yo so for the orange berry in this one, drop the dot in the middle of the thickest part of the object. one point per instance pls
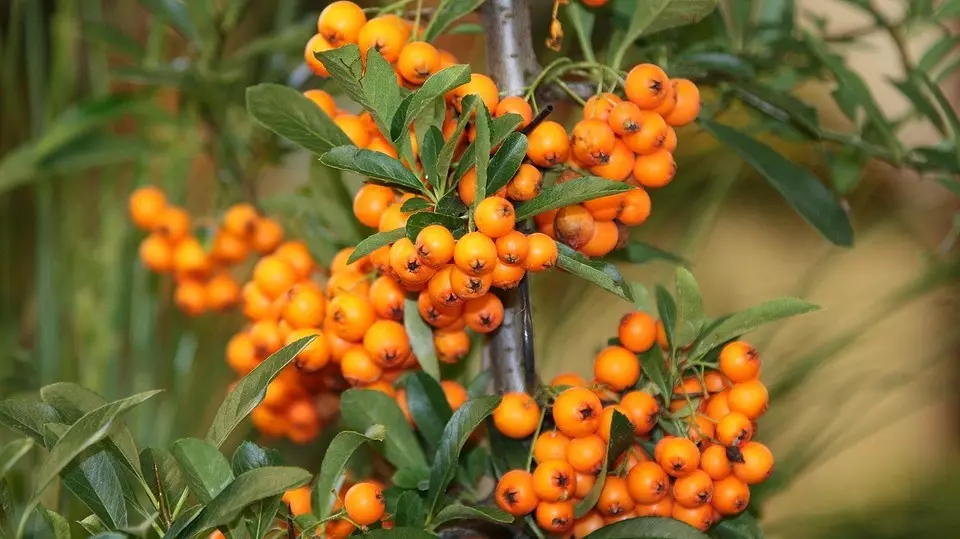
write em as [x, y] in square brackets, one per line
[467, 187]
[387, 297]
[700, 428]
[670, 142]
[576, 412]
[642, 409]
[669, 102]
[648, 483]
[316, 355]
[750, 398]
[467, 286]
[379, 144]
[339, 262]
[447, 59]
[646, 85]
[483, 314]
[475, 253]
[438, 316]
[298, 256]
[298, 500]
[417, 61]
[554, 481]
[650, 134]
[354, 128]
[305, 307]
[347, 282]
[605, 237]
[240, 220]
[316, 44]
[551, 445]
[739, 361]
[585, 484]
[592, 141]
[757, 463]
[625, 118]
[506, 276]
[542, 252]
[387, 343]
[364, 503]
[512, 247]
[636, 207]
[514, 493]
[515, 105]
[693, 490]
[440, 288]
[730, 496]
[586, 453]
[401, 398]
[479, 85]
[663, 508]
[392, 218]
[606, 420]
[147, 205]
[494, 217]
[718, 406]
[451, 346]
[406, 263]
[605, 208]
[349, 316]
[617, 368]
[568, 379]
[548, 144]
[266, 336]
[173, 224]
[526, 184]
[435, 245]
[222, 292]
[619, 164]
[455, 393]
[574, 225]
[655, 170]
[156, 253]
[189, 258]
[734, 429]
[228, 248]
[688, 103]
[715, 462]
[340, 22]
[714, 382]
[615, 497]
[273, 275]
[587, 524]
[256, 304]
[678, 456]
[517, 415]
[700, 518]
[385, 33]
[242, 354]
[637, 331]
[600, 106]
[358, 367]
[370, 202]
[555, 517]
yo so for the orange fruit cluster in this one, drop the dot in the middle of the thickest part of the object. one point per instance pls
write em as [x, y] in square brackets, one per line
[363, 503]
[698, 477]
[624, 140]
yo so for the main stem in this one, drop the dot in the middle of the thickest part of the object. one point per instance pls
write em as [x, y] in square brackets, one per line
[508, 351]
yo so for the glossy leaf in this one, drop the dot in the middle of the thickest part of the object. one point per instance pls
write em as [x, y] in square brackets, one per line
[572, 192]
[500, 128]
[250, 456]
[205, 470]
[798, 186]
[374, 242]
[909, 88]
[448, 12]
[647, 528]
[421, 339]
[667, 310]
[289, 114]
[602, 274]
[952, 120]
[399, 533]
[13, 452]
[28, 416]
[742, 526]
[621, 436]
[462, 512]
[376, 165]
[162, 474]
[379, 84]
[652, 364]
[419, 221]
[506, 162]
[415, 204]
[361, 409]
[468, 105]
[458, 430]
[747, 320]
[410, 511]
[690, 313]
[638, 252]
[429, 154]
[428, 406]
[481, 150]
[780, 106]
[335, 460]
[248, 393]
[436, 86]
[653, 16]
[346, 70]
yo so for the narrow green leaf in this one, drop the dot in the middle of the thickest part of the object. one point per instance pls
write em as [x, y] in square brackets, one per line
[419, 221]
[346, 71]
[462, 512]
[468, 106]
[458, 430]
[162, 474]
[428, 406]
[478, 386]
[500, 127]
[93, 525]
[59, 526]
[572, 192]
[953, 121]
[602, 274]
[376, 165]
[798, 186]
[429, 154]
[361, 409]
[690, 313]
[846, 166]
[747, 320]
[908, 87]
[114, 38]
[410, 511]
[436, 86]
[415, 204]
[399, 533]
[652, 364]
[506, 162]
[289, 114]
[379, 83]
[335, 459]
[481, 150]
[205, 470]
[28, 416]
[621, 436]
[780, 106]
[653, 16]
[376, 241]
[448, 12]
[421, 339]
[583, 19]
[938, 52]
[667, 310]
[250, 390]
[647, 528]
[742, 526]
[638, 252]
[13, 452]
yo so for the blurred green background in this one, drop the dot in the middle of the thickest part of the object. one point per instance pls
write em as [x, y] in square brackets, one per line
[99, 96]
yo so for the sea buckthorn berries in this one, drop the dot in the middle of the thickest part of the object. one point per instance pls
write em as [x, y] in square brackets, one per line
[606, 236]
[548, 144]
[173, 224]
[273, 275]
[494, 217]
[340, 22]
[418, 60]
[750, 398]
[515, 105]
[517, 415]
[730, 496]
[189, 258]
[700, 518]
[636, 207]
[451, 346]
[670, 142]
[298, 500]
[587, 524]
[555, 517]
[222, 292]
[693, 490]
[586, 453]
[349, 316]
[379, 144]
[467, 286]
[585, 482]
[592, 141]
[506, 276]
[353, 127]
[600, 106]
[663, 508]
[514, 493]
[619, 164]
[718, 406]
[669, 102]
[715, 462]
[646, 86]
[370, 202]
[228, 248]
[437, 316]
[483, 314]
[242, 354]
[358, 367]
[387, 34]
[481, 86]
[637, 331]
[441, 290]
[757, 463]
[678, 456]
[190, 297]
[146, 206]
[315, 355]
[617, 368]
[654, 170]
[467, 187]
[606, 420]
[156, 253]
[625, 118]
[687, 107]
[605, 208]
[512, 247]
[475, 253]
[739, 361]
[568, 379]
[407, 264]
[241, 220]
[317, 44]
[526, 184]
[364, 503]
[554, 481]
[455, 393]
[648, 483]
[435, 245]
[387, 343]
[574, 225]
[305, 307]
[734, 429]
[298, 256]
[550, 445]
[392, 218]
[650, 134]
[576, 412]
[615, 497]
[541, 252]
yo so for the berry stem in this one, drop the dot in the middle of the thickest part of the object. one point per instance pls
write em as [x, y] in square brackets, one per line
[536, 434]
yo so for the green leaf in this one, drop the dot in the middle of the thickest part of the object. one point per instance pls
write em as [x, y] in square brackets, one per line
[653, 16]
[572, 192]
[379, 83]
[419, 221]
[361, 409]
[410, 511]
[376, 241]
[28, 416]
[638, 252]
[429, 154]
[376, 165]
[478, 386]
[250, 456]
[59, 526]
[173, 14]
[908, 87]
[162, 474]
[436, 86]
[13, 452]
[690, 313]
[399, 533]
[798, 186]
[93, 525]
[742, 526]
[747, 320]
[335, 460]
[467, 106]
[428, 406]
[205, 470]
[346, 70]
[647, 528]
[499, 129]
[953, 122]
[481, 150]
[421, 339]
[462, 512]
[415, 204]
[411, 479]
[448, 12]
[112, 37]
[652, 364]
[506, 162]
[937, 53]
[458, 430]
[246, 489]
[583, 20]
[846, 166]
[289, 114]
[621, 437]
[602, 274]
[780, 106]
[250, 390]
[667, 310]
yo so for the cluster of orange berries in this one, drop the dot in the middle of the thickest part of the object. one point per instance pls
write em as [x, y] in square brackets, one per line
[698, 477]
[202, 277]
[629, 140]
[362, 503]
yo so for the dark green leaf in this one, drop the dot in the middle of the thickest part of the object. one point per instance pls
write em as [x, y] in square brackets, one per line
[346, 70]
[447, 13]
[481, 150]
[379, 83]
[250, 390]
[478, 386]
[468, 105]
[362, 409]
[847, 166]
[113, 38]
[376, 165]
[467, 28]
[653, 16]
[399, 533]
[428, 406]
[583, 19]
[289, 114]
[28, 416]
[335, 460]
[436, 86]
[908, 87]
[690, 314]
[376, 241]
[421, 338]
[798, 186]
[464, 421]
[953, 121]
[602, 274]
[747, 320]
[572, 192]
[162, 474]
[250, 456]
[174, 14]
[638, 252]
[937, 52]
[429, 154]
[718, 62]
[205, 470]
[506, 162]
[419, 221]
[742, 526]
[621, 437]
[780, 106]
[59, 526]
[410, 511]
[462, 512]
[500, 127]
[13, 452]
[415, 204]
[647, 528]
[667, 310]
[451, 204]
[652, 364]
[412, 479]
